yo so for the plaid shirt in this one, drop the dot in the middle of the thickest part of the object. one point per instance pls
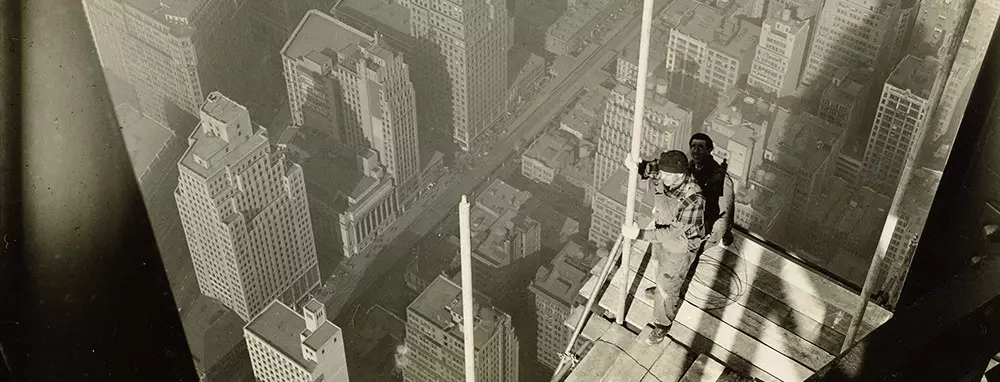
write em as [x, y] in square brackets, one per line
[690, 216]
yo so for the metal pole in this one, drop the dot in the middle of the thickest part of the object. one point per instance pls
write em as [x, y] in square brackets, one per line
[467, 315]
[637, 118]
[567, 356]
[883, 245]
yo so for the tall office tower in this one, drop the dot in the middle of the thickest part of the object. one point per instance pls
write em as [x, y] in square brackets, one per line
[710, 49]
[289, 347]
[844, 103]
[778, 62]
[939, 28]
[982, 21]
[807, 147]
[107, 26]
[245, 213]
[903, 114]
[435, 340]
[469, 39]
[172, 50]
[352, 86]
[665, 126]
[857, 34]
[556, 287]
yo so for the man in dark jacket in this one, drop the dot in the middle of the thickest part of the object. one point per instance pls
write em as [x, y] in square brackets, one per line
[717, 187]
[676, 238]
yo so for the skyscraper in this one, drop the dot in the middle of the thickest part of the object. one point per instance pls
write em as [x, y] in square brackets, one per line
[285, 346]
[904, 112]
[245, 213]
[356, 89]
[665, 126]
[469, 40]
[857, 34]
[780, 53]
[435, 340]
[172, 50]
[107, 27]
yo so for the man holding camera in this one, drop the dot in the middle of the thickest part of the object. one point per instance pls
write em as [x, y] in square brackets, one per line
[677, 236]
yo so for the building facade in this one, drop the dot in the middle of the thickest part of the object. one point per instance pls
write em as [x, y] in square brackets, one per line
[665, 126]
[245, 213]
[555, 288]
[877, 43]
[901, 122]
[434, 338]
[356, 88]
[286, 346]
[780, 54]
[469, 41]
[169, 51]
[372, 206]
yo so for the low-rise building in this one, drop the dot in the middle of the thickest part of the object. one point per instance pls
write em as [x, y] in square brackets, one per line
[555, 288]
[286, 346]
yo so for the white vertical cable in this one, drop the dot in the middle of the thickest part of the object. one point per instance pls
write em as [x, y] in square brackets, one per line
[467, 314]
[637, 118]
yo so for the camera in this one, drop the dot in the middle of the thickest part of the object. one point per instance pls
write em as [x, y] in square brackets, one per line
[649, 169]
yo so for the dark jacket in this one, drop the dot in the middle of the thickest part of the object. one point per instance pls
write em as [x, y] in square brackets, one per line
[717, 188]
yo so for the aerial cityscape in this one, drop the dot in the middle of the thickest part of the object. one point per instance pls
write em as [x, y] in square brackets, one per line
[302, 163]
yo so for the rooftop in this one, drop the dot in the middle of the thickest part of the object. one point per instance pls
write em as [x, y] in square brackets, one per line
[804, 141]
[751, 109]
[143, 136]
[443, 297]
[281, 327]
[563, 278]
[339, 169]
[722, 29]
[391, 14]
[674, 114]
[673, 14]
[848, 87]
[576, 17]
[659, 36]
[493, 218]
[770, 188]
[216, 151]
[318, 32]
[164, 9]
[222, 108]
[558, 149]
[794, 24]
[916, 75]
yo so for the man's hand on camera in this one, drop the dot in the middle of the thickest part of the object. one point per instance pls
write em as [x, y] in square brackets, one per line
[630, 231]
[632, 162]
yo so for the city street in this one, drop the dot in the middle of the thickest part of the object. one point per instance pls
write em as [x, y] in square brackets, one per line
[425, 215]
